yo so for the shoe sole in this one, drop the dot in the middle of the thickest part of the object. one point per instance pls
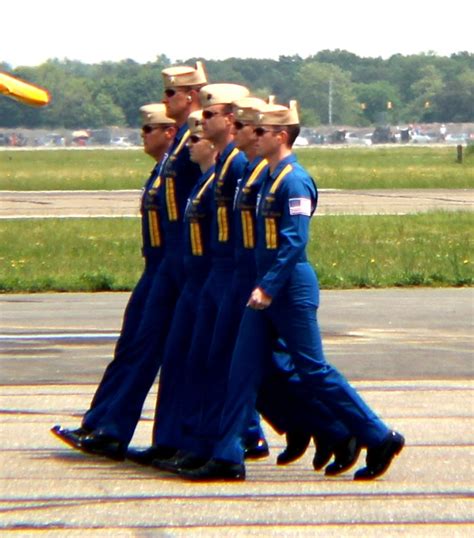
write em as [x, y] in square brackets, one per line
[98, 452]
[256, 456]
[346, 467]
[319, 466]
[397, 449]
[239, 478]
[64, 439]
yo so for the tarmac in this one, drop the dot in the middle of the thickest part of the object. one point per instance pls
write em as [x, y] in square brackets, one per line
[125, 203]
[408, 351]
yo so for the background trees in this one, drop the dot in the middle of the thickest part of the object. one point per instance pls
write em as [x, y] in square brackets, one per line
[331, 87]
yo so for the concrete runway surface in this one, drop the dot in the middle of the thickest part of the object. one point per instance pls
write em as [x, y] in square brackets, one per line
[408, 351]
[47, 204]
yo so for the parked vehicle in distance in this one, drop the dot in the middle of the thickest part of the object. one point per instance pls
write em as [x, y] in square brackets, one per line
[459, 138]
[383, 135]
[357, 140]
[301, 141]
[121, 142]
[420, 138]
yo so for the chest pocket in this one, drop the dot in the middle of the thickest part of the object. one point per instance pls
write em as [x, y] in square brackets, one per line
[271, 212]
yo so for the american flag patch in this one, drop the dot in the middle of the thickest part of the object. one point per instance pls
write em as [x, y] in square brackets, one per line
[300, 206]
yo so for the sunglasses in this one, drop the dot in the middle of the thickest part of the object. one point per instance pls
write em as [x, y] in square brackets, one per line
[208, 114]
[238, 125]
[147, 129]
[194, 139]
[170, 92]
[260, 131]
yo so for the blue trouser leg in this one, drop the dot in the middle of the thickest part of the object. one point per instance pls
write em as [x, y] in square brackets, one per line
[167, 430]
[284, 403]
[293, 314]
[252, 352]
[118, 367]
[144, 355]
[218, 363]
[195, 375]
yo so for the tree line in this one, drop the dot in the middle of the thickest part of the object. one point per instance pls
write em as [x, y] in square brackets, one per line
[332, 87]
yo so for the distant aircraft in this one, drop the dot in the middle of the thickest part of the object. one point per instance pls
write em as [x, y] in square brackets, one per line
[23, 91]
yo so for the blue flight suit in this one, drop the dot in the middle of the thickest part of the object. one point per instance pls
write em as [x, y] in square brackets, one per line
[287, 199]
[142, 294]
[144, 355]
[283, 406]
[233, 303]
[230, 166]
[172, 390]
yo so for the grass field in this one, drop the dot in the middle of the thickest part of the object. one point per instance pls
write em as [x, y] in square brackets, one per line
[430, 249]
[344, 168]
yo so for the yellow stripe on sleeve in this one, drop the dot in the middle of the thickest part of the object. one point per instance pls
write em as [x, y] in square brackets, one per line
[271, 233]
[223, 224]
[154, 227]
[171, 204]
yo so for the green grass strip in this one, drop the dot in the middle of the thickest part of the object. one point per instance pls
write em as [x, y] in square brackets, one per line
[430, 249]
[395, 167]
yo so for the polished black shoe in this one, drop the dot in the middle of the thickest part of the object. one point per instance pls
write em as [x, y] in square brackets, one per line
[346, 454]
[324, 452]
[103, 445]
[215, 471]
[143, 456]
[181, 462]
[70, 437]
[256, 450]
[296, 445]
[148, 455]
[379, 458]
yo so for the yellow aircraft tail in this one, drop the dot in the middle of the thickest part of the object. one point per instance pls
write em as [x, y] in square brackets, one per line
[23, 91]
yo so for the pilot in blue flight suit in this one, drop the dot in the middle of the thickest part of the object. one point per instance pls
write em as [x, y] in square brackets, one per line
[216, 100]
[284, 303]
[115, 427]
[212, 393]
[172, 390]
[158, 131]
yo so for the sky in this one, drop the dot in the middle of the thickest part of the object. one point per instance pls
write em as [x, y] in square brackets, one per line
[94, 31]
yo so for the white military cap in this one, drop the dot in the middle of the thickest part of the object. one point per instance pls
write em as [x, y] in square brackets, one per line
[184, 76]
[155, 113]
[246, 109]
[273, 114]
[221, 94]
[195, 122]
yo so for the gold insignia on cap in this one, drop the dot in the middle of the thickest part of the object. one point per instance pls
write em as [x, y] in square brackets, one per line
[222, 94]
[273, 114]
[184, 76]
[155, 113]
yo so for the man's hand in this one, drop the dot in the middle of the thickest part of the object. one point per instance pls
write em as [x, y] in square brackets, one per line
[259, 299]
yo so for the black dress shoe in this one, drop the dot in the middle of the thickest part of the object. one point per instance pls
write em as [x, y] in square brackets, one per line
[324, 452]
[103, 445]
[214, 471]
[379, 458]
[165, 462]
[345, 456]
[70, 437]
[184, 461]
[142, 456]
[256, 450]
[146, 456]
[296, 445]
